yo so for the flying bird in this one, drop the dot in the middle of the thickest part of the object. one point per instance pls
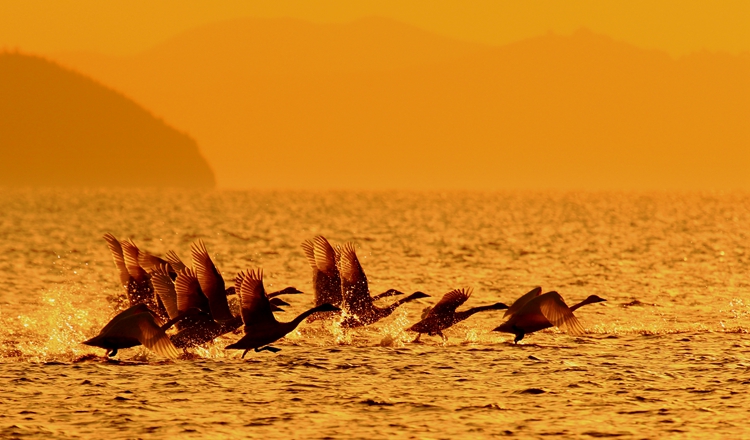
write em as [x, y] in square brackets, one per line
[261, 327]
[538, 312]
[444, 314]
[358, 303]
[135, 326]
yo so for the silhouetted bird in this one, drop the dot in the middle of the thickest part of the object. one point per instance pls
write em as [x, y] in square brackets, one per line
[444, 314]
[261, 327]
[544, 311]
[135, 326]
[133, 278]
[358, 303]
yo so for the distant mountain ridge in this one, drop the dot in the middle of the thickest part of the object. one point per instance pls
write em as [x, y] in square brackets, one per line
[59, 128]
[378, 104]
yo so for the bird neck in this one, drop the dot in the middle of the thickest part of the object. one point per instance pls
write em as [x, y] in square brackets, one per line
[296, 321]
[586, 301]
[396, 304]
[460, 316]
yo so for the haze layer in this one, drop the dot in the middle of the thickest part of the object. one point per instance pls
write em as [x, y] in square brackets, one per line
[58, 128]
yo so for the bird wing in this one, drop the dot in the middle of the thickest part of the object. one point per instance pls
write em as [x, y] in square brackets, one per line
[174, 261]
[116, 249]
[450, 302]
[325, 256]
[211, 281]
[256, 309]
[320, 254]
[149, 261]
[553, 307]
[238, 282]
[308, 247]
[153, 337]
[520, 302]
[164, 287]
[350, 269]
[189, 293]
[131, 252]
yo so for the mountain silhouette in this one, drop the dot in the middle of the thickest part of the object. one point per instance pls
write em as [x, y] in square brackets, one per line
[59, 128]
[378, 104]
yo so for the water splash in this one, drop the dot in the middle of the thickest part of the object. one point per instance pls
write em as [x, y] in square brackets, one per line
[55, 325]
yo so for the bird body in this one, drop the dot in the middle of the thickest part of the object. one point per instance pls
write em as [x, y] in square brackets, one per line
[444, 314]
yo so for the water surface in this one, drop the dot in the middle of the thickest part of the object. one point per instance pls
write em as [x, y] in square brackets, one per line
[666, 355]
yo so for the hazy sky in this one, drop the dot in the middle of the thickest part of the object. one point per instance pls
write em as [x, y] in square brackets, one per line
[398, 94]
[121, 27]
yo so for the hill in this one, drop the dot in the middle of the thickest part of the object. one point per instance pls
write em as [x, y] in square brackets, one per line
[59, 128]
[382, 111]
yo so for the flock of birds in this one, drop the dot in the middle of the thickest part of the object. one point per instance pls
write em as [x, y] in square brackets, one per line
[165, 292]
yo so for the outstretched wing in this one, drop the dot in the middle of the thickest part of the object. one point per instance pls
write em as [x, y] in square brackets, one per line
[324, 259]
[353, 281]
[450, 302]
[238, 282]
[189, 292]
[211, 281]
[256, 309]
[154, 338]
[116, 249]
[174, 261]
[520, 302]
[149, 262]
[553, 308]
[132, 254]
[321, 255]
[165, 288]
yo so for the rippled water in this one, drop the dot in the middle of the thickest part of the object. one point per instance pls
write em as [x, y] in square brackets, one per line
[666, 355]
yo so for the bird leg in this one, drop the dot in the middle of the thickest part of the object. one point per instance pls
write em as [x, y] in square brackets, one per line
[519, 336]
[245, 352]
[439, 333]
[416, 341]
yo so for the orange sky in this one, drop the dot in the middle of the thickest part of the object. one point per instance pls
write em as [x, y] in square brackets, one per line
[425, 94]
[121, 27]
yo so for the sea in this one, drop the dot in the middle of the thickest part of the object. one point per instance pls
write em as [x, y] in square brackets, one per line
[666, 356]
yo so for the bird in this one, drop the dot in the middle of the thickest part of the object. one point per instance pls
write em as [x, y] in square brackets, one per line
[324, 261]
[135, 280]
[200, 328]
[261, 327]
[204, 289]
[137, 325]
[358, 303]
[543, 311]
[444, 314]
